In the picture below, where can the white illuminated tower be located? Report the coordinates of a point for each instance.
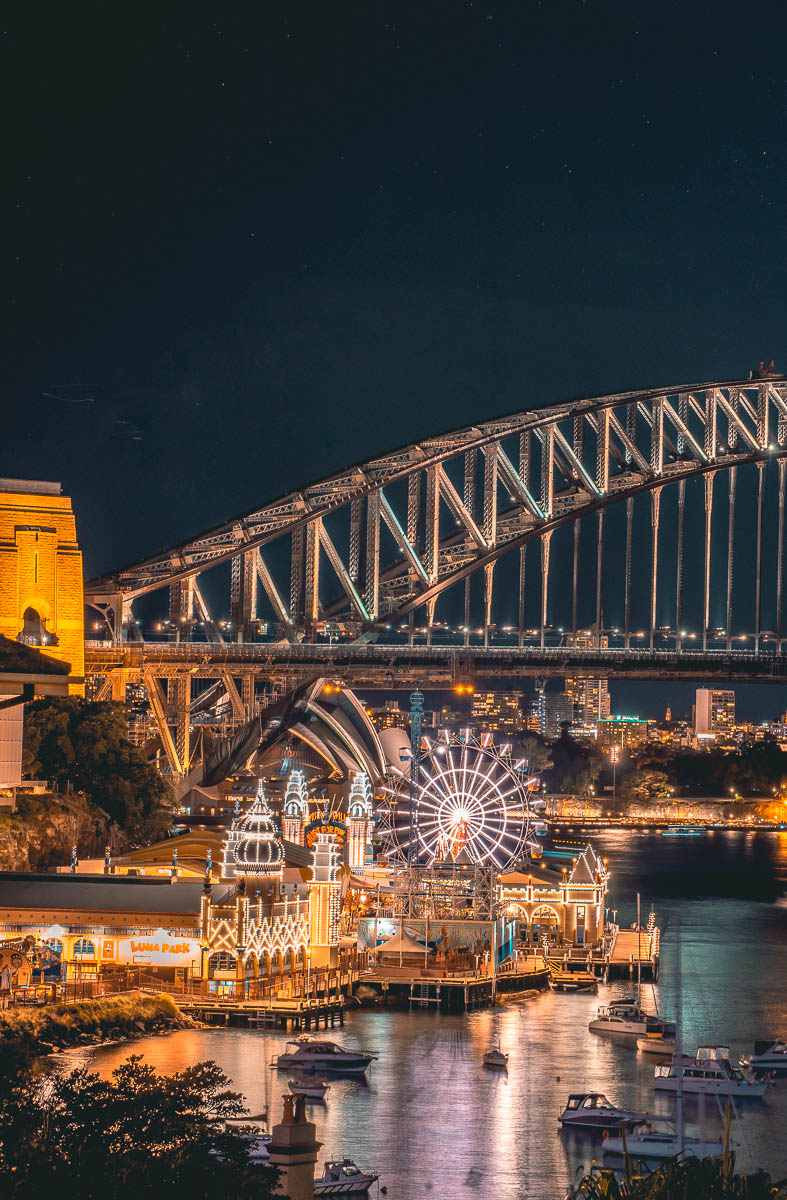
(326, 900)
(296, 808)
(255, 844)
(360, 818)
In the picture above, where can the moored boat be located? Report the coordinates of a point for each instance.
(769, 1058)
(647, 1144)
(656, 1045)
(593, 1112)
(625, 1017)
(496, 1058)
(709, 1072)
(312, 1089)
(341, 1177)
(314, 1055)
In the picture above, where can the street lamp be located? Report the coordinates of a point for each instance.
(614, 755)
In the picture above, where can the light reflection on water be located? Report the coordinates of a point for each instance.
(433, 1121)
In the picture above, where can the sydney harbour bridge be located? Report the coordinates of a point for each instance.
(597, 536)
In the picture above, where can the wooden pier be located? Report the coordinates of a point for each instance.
(454, 992)
(293, 1015)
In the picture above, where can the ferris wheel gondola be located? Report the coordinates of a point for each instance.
(472, 803)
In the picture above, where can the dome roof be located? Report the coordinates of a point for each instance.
(257, 846)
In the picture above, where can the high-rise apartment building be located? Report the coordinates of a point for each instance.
(497, 712)
(714, 711)
(590, 696)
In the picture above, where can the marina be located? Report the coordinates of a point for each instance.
(429, 1071)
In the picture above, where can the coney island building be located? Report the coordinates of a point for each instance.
(224, 907)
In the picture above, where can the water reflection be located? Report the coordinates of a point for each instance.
(433, 1121)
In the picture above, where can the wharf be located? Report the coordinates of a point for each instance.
(455, 991)
(290, 1014)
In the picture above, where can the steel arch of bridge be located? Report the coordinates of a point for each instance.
(500, 484)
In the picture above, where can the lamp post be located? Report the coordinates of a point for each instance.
(614, 755)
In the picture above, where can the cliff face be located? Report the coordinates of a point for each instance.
(42, 831)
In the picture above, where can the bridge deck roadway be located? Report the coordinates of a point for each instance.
(386, 666)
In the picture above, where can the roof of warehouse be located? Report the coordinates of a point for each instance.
(98, 893)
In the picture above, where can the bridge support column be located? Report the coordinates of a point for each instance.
(758, 580)
(627, 575)
(546, 539)
(679, 566)
(780, 556)
(655, 509)
(247, 687)
(730, 555)
(180, 701)
(522, 566)
(489, 587)
(181, 609)
(599, 566)
(709, 478)
(574, 583)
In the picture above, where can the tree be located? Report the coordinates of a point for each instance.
(575, 768)
(138, 1133)
(646, 784)
(680, 1179)
(84, 745)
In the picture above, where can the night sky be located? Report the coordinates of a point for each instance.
(248, 245)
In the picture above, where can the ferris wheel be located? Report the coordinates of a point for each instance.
(471, 803)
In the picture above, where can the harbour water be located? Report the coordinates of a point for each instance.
(434, 1122)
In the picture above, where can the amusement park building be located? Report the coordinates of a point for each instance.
(567, 909)
(230, 908)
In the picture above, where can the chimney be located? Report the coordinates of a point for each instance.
(293, 1149)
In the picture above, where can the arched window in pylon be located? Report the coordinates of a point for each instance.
(34, 631)
(84, 948)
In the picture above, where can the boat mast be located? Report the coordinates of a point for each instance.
(678, 1056)
(639, 953)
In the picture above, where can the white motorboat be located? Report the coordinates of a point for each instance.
(312, 1089)
(769, 1058)
(659, 1046)
(342, 1177)
(592, 1111)
(709, 1072)
(496, 1058)
(626, 1018)
(313, 1055)
(654, 1145)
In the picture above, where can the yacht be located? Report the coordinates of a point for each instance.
(646, 1144)
(709, 1072)
(312, 1089)
(627, 1018)
(592, 1110)
(659, 1046)
(313, 1055)
(343, 1178)
(768, 1058)
(496, 1058)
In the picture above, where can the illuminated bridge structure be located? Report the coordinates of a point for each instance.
(430, 563)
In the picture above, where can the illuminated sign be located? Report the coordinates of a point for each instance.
(159, 950)
(329, 823)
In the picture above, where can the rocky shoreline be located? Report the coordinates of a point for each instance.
(49, 1030)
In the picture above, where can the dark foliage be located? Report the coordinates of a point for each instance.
(138, 1133)
(83, 745)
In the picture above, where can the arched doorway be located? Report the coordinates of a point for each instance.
(545, 923)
